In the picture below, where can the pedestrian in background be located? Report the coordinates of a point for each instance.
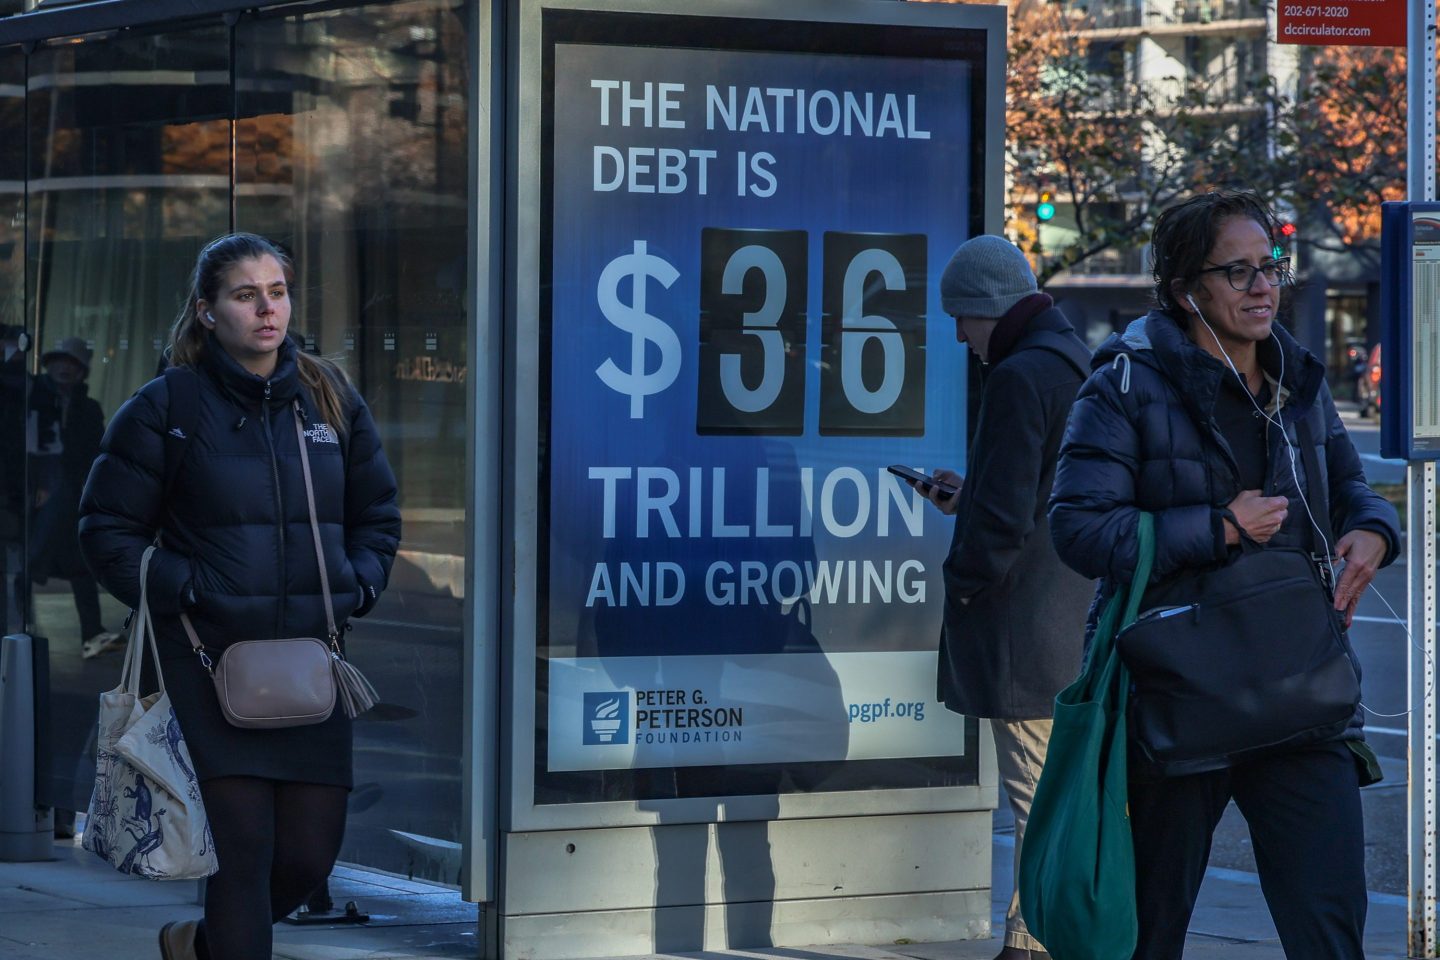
(54, 542)
(1194, 414)
(1014, 614)
(238, 556)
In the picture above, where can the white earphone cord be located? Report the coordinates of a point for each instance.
(1290, 449)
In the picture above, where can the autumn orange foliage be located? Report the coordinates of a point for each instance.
(1348, 133)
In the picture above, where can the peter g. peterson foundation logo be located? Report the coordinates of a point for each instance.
(606, 718)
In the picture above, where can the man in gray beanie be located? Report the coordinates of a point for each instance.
(1014, 614)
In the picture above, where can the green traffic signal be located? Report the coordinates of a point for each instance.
(1045, 211)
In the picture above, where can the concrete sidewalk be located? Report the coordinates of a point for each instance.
(77, 908)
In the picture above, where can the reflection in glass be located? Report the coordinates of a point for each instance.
(128, 175)
(13, 379)
(351, 150)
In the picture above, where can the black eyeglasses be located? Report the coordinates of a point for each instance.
(1242, 275)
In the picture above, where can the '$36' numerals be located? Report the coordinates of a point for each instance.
(754, 289)
(754, 286)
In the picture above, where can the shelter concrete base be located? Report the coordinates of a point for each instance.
(672, 888)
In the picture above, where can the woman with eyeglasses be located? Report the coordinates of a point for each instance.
(1197, 413)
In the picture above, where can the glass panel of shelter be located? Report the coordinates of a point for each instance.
(127, 175)
(14, 380)
(343, 138)
(351, 151)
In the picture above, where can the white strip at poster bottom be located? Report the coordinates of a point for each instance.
(610, 713)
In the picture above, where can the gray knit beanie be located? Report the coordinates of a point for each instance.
(985, 278)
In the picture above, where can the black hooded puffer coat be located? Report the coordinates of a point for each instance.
(237, 550)
(1142, 436)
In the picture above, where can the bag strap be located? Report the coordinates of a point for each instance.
(1071, 349)
(1318, 494)
(1144, 563)
(334, 631)
(142, 634)
(1123, 604)
(1104, 674)
(315, 528)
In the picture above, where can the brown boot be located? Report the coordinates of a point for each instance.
(177, 940)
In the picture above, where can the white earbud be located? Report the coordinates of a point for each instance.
(211, 317)
(1193, 305)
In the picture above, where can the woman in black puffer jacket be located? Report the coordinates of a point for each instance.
(237, 554)
(1183, 418)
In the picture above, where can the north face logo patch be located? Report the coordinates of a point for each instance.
(322, 433)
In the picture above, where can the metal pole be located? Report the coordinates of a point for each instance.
(1420, 555)
(1421, 547)
(26, 828)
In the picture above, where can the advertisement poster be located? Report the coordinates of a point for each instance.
(743, 331)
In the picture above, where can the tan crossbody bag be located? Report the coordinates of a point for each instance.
(287, 683)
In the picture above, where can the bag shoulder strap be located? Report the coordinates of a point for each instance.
(1144, 562)
(1068, 348)
(1103, 669)
(1316, 491)
(142, 635)
(315, 526)
(334, 632)
(181, 418)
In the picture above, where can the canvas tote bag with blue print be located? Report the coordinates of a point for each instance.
(145, 816)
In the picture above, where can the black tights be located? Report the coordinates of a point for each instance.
(276, 842)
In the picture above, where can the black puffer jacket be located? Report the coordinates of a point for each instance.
(1142, 437)
(237, 547)
(238, 553)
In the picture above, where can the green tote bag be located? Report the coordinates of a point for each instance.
(1077, 864)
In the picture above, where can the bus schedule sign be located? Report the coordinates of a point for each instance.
(1356, 23)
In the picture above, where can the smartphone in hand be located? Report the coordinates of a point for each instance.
(923, 481)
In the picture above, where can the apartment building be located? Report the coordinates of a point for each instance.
(1215, 59)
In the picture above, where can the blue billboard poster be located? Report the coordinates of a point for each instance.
(743, 231)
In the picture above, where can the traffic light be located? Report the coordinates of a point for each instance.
(1044, 210)
(1287, 231)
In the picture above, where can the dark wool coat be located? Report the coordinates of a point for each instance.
(238, 553)
(1142, 437)
(1014, 614)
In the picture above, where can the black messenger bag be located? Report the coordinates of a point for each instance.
(1236, 661)
(1250, 657)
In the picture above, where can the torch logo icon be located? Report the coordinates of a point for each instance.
(607, 718)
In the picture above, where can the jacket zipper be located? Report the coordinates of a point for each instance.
(1275, 450)
(1224, 446)
(280, 515)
